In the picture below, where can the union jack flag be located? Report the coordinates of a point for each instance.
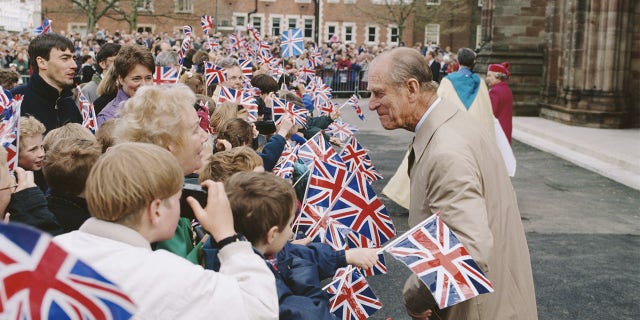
(206, 22)
(356, 240)
(214, 74)
(9, 127)
(213, 43)
(315, 58)
(186, 44)
(251, 105)
(291, 43)
(247, 67)
(164, 75)
(284, 167)
(350, 297)
(353, 101)
(281, 108)
(44, 28)
(228, 94)
(236, 39)
(255, 34)
(325, 183)
(264, 51)
(39, 280)
(306, 73)
(359, 208)
(318, 148)
(357, 159)
(437, 257)
(88, 115)
(341, 130)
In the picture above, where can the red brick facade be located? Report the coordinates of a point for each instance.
(348, 19)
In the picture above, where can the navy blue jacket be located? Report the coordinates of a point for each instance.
(298, 271)
(29, 206)
(272, 151)
(43, 102)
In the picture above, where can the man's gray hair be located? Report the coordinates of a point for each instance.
(408, 63)
(167, 59)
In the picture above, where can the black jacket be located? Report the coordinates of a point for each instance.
(71, 212)
(29, 206)
(42, 101)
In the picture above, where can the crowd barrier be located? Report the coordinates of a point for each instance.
(344, 83)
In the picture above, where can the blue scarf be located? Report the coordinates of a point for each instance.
(466, 85)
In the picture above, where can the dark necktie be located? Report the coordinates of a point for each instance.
(412, 158)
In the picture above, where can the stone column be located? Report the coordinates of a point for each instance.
(588, 55)
(513, 31)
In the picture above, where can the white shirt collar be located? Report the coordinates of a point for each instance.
(426, 114)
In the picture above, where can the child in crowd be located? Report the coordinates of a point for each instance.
(133, 193)
(69, 130)
(224, 164)
(31, 148)
(66, 169)
(263, 207)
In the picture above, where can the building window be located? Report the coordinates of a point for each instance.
(372, 35)
(394, 34)
(478, 36)
(145, 5)
(292, 23)
(275, 25)
(240, 20)
(432, 34)
(348, 32)
(349, 1)
(480, 3)
(256, 22)
(78, 27)
(433, 2)
(332, 30)
(309, 27)
(184, 6)
(333, 1)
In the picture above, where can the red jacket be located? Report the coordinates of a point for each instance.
(502, 103)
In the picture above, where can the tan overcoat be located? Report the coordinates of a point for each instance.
(458, 171)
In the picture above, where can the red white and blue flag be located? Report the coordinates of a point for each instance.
(350, 297)
(255, 34)
(282, 107)
(247, 67)
(323, 228)
(318, 148)
(357, 159)
(165, 75)
(284, 167)
(306, 73)
(251, 105)
(353, 101)
(44, 28)
(88, 114)
(206, 22)
(292, 43)
(315, 58)
(356, 240)
(439, 259)
(186, 44)
(9, 126)
(231, 95)
(341, 130)
(359, 208)
(39, 280)
(214, 74)
(325, 183)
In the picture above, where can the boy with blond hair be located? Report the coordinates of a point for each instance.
(263, 207)
(31, 148)
(224, 164)
(133, 193)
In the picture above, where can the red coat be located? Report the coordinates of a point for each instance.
(502, 103)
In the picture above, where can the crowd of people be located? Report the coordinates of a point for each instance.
(114, 197)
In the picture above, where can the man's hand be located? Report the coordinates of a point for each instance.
(25, 179)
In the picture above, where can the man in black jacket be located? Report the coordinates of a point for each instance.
(47, 96)
(434, 66)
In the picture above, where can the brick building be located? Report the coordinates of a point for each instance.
(356, 21)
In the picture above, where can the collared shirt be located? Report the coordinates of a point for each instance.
(426, 114)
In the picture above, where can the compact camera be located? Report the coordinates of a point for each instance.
(195, 191)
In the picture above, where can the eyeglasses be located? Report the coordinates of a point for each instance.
(9, 187)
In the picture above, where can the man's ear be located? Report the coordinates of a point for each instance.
(42, 63)
(271, 235)
(153, 212)
(413, 87)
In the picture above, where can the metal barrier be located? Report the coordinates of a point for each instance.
(25, 78)
(344, 83)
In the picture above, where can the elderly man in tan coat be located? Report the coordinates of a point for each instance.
(455, 168)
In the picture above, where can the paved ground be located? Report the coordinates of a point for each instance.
(583, 232)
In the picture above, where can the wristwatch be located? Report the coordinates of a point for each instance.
(227, 240)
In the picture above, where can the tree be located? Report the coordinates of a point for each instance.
(395, 12)
(94, 9)
(131, 16)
